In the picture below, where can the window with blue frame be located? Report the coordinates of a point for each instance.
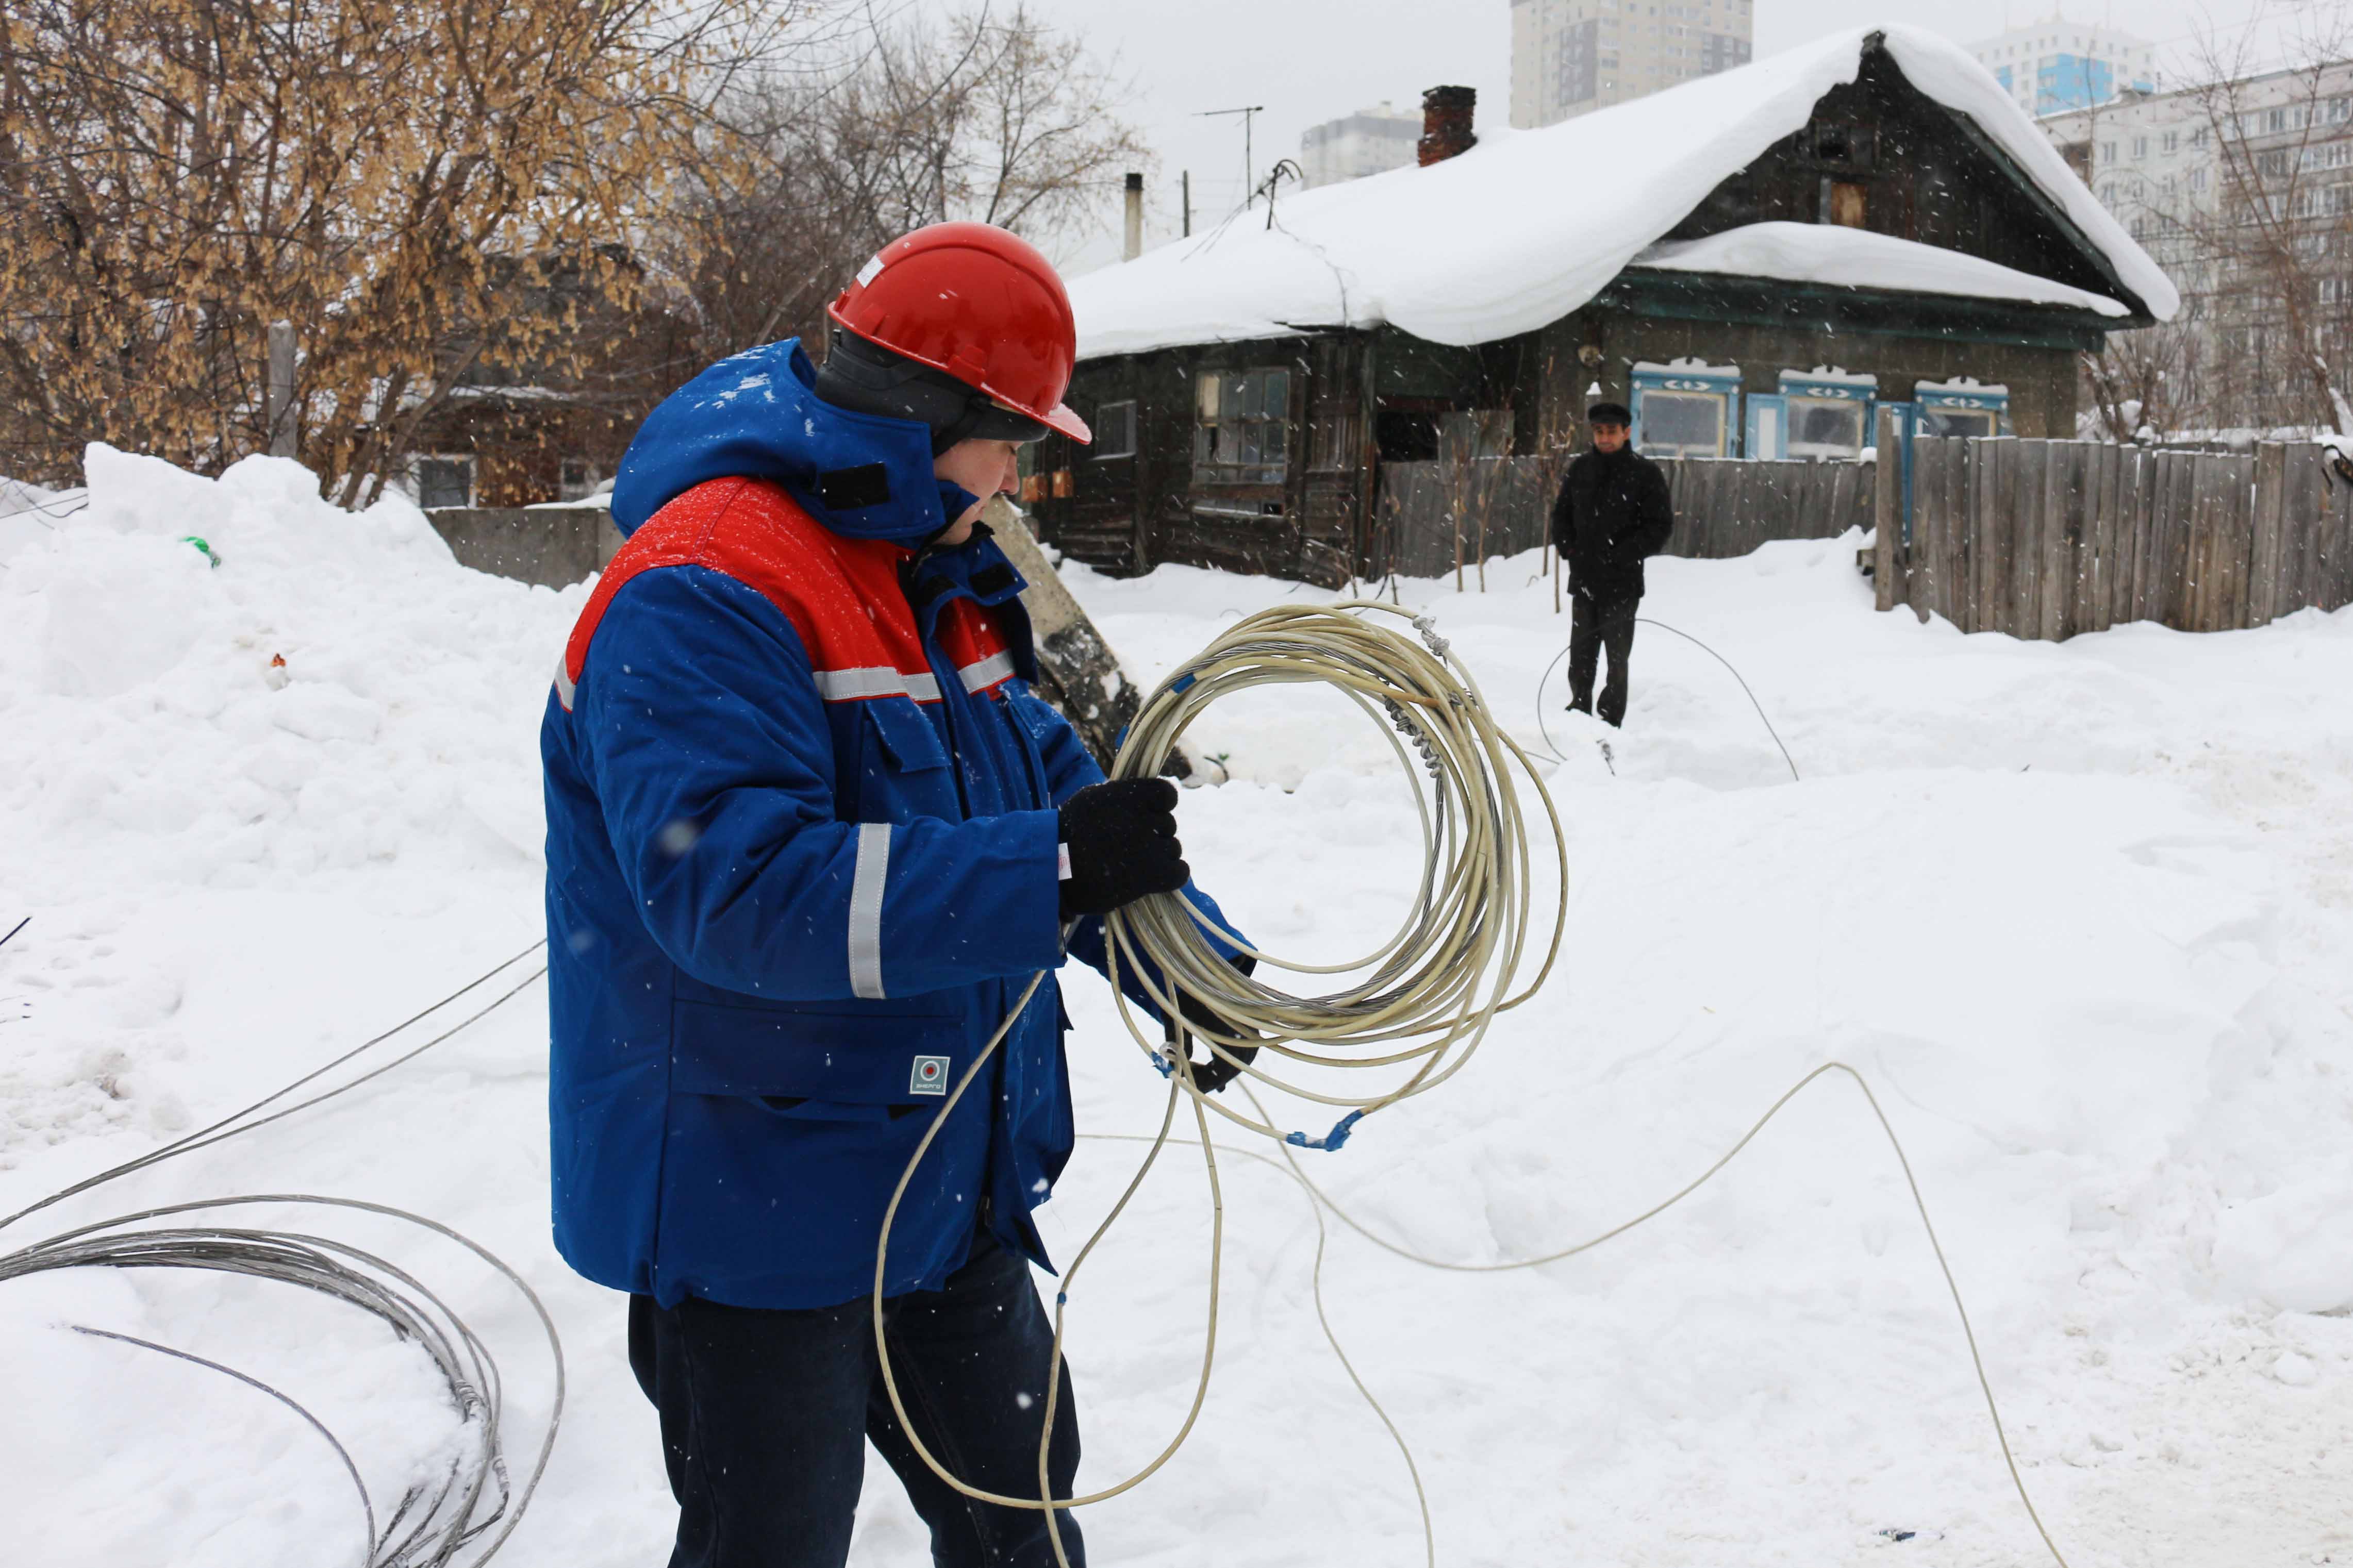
(1828, 412)
(1686, 408)
(1963, 407)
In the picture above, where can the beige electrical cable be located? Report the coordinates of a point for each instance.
(1440, 980)
(1911, 1183)
(1437, 983)
(1467, 932)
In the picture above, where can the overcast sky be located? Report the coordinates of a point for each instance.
(1313, 60)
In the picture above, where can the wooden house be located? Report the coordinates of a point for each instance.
(1754, 261)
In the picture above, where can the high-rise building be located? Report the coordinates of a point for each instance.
(2052, 66)
(1572, 56)
(2184, 171)
(1365, 142)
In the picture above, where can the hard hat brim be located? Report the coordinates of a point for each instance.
(1062, 419)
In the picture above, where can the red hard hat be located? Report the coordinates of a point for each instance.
(979, 303)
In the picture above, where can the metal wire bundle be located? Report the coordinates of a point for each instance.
(471, 1501)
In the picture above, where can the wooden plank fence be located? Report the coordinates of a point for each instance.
(1435, 517)
(2047, 538)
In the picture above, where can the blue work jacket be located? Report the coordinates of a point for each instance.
(801, 862)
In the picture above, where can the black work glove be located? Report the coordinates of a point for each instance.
(1121, 837)
(1217, 1072)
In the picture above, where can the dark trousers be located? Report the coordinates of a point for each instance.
(766, 1416)
(1594, 625)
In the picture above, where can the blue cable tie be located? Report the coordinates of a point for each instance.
(1331, 1141)
(1061, 1298)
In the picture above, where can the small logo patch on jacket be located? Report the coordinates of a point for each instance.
(930, 1076)
(847, 489)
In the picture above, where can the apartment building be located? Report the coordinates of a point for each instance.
(1366, 142)
(2206, 178)
(2052, 66)
(1572, 56)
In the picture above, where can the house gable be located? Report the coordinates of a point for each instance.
(1881, 155)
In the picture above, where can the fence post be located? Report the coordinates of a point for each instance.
(1454, 473)
(1554, 477)
(2048, 617)
(2264, 545)
(2109, 466)
(1887, 517)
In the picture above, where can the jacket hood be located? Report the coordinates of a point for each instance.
(757, 414)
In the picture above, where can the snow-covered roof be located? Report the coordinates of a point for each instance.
(1825, 253)
(1529, 224)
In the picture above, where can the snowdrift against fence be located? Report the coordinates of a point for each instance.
(1527, 225)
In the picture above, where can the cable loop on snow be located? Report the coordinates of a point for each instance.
(471, 1501)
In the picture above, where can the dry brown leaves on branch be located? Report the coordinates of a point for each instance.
(430, 192)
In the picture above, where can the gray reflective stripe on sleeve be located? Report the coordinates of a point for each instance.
(866, 909)
(988, 672)
(873, 681)
(563, 686)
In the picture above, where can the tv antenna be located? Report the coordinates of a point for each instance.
(1249, 167)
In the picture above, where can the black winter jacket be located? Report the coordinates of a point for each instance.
(1613, 511)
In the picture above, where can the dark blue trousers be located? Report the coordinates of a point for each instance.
(766, 1416)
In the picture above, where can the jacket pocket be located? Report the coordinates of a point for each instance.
(1027, 716)
(902, 768)
(882, 1055)
(903, 736)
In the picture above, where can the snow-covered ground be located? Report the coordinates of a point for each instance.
(2080, 912)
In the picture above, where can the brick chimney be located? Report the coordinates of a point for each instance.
(1446, 124)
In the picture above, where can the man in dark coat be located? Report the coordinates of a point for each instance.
(1613, 512)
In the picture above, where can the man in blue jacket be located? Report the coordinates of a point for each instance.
(810, 835)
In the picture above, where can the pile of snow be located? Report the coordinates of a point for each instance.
(1858, 258)
(1528, 226)
(249, 684)
(2080, 912)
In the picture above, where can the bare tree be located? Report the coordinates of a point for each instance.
(2259, 236)
(923, 118)
(430, 191)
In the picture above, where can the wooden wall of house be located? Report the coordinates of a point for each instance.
(1129, 513)
(2042, 379)
(520, 448)
(1126, 514)
(1880, 156)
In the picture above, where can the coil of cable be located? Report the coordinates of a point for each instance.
(1422, 1001)
(1418, 1002)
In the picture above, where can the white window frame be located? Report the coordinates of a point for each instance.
(1104, 411)
(577, 489)
(1211, 422)
(1720, 404)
